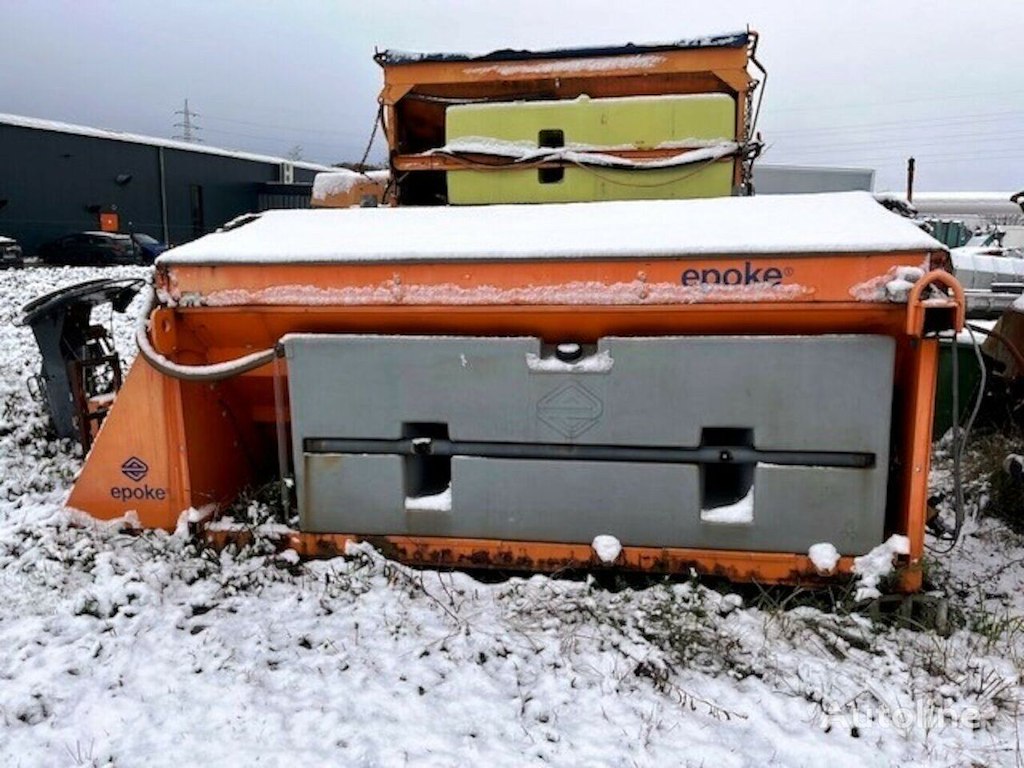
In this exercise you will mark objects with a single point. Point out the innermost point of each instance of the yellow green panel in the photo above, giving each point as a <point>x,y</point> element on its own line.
<point>640,121</point>
<point>586,184</point>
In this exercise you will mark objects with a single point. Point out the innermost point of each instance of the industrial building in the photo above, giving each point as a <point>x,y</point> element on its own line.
<point>57,178</point>
<point>799,179</point>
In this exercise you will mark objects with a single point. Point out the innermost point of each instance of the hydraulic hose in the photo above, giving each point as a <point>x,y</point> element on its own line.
<point>961,437</point>
<point>211,372</point>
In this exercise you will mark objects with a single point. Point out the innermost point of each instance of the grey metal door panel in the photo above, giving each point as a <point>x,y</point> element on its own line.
<point>648,505</point>
<point>659,391</point>
<point>573,501</point>
<point>351,494</point>
<point>801,506</point>
<point>795,392</point>
<point>830,393</point>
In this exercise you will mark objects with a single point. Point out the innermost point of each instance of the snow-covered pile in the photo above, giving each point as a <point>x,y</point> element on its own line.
<point>330,184</point>
<point>125,648</point>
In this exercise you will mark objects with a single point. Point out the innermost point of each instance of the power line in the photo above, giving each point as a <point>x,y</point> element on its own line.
<point>963,119</point>
<point>999,143</point>
<point>914,100</point>
<point>948,140</point>
<point>278,127</point>
<point>867,156</point>
<point>868,153</point>
<point>333,147</point>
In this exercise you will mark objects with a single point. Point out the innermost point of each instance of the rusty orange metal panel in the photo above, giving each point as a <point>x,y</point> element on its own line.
<point>765,567</point>
<point>136,462</point>
<point>167,446</point>
<point>918,385</point>
<point>399,79</point>
<point>814,277</point>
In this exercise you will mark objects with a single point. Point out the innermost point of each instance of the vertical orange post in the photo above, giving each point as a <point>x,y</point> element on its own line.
<point>917,443</point>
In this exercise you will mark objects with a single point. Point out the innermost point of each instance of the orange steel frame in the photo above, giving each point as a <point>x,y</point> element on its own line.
<point>204,442</point>
<point>684,71</point>
<point>199,444</point>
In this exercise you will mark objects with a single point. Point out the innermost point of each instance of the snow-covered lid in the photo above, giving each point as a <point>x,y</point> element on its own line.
<point>20,121</point>
<point>724,40</point>
<point>845,222</point>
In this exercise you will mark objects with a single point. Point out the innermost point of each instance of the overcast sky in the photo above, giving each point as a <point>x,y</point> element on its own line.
<point>861,84</point>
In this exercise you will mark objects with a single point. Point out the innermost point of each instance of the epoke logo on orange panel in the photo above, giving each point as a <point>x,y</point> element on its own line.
<point>135,469</point>
<point>741,274</point>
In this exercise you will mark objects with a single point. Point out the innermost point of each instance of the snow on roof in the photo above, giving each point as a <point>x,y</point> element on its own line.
<point>846,222</point>
<point>135,138</point>
<point>724,40</point>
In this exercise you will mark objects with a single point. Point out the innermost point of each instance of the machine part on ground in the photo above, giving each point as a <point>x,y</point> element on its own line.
<point>718,384</point>
<point>81,370</point>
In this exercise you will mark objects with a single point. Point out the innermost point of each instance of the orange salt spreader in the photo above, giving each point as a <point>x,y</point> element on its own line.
<point>572,320</point>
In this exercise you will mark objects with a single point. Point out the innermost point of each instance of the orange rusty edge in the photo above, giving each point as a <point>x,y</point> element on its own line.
<point>829,276</point>
<point>546,557</point>
<point>917,425</point>
<point>917,428</point>
<point>687,61</point>
<point>230,332</point>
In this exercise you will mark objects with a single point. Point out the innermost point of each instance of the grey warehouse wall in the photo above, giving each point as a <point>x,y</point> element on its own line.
<point>54,183</point>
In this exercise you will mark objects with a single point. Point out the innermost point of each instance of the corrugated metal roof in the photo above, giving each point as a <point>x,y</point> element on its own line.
<point>21,121</point>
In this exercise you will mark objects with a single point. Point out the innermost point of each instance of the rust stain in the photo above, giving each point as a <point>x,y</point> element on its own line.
<point>544,557</point>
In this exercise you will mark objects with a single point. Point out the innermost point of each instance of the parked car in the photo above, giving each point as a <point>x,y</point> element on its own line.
<point>149,247</point>
<point>94,249</point>
<point>10,252</point>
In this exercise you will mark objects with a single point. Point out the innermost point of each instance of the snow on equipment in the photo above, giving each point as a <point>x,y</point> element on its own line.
<point>715,384</point>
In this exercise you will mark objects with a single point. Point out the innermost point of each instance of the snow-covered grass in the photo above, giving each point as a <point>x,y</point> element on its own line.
<point>124,648</point>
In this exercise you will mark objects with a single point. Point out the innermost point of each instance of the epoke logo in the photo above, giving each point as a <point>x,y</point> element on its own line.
<point>570,410</point>
<point>745,274</point>
<point>135,469</point>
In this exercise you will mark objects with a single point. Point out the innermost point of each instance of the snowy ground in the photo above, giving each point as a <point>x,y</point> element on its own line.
<point>127,650</point>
